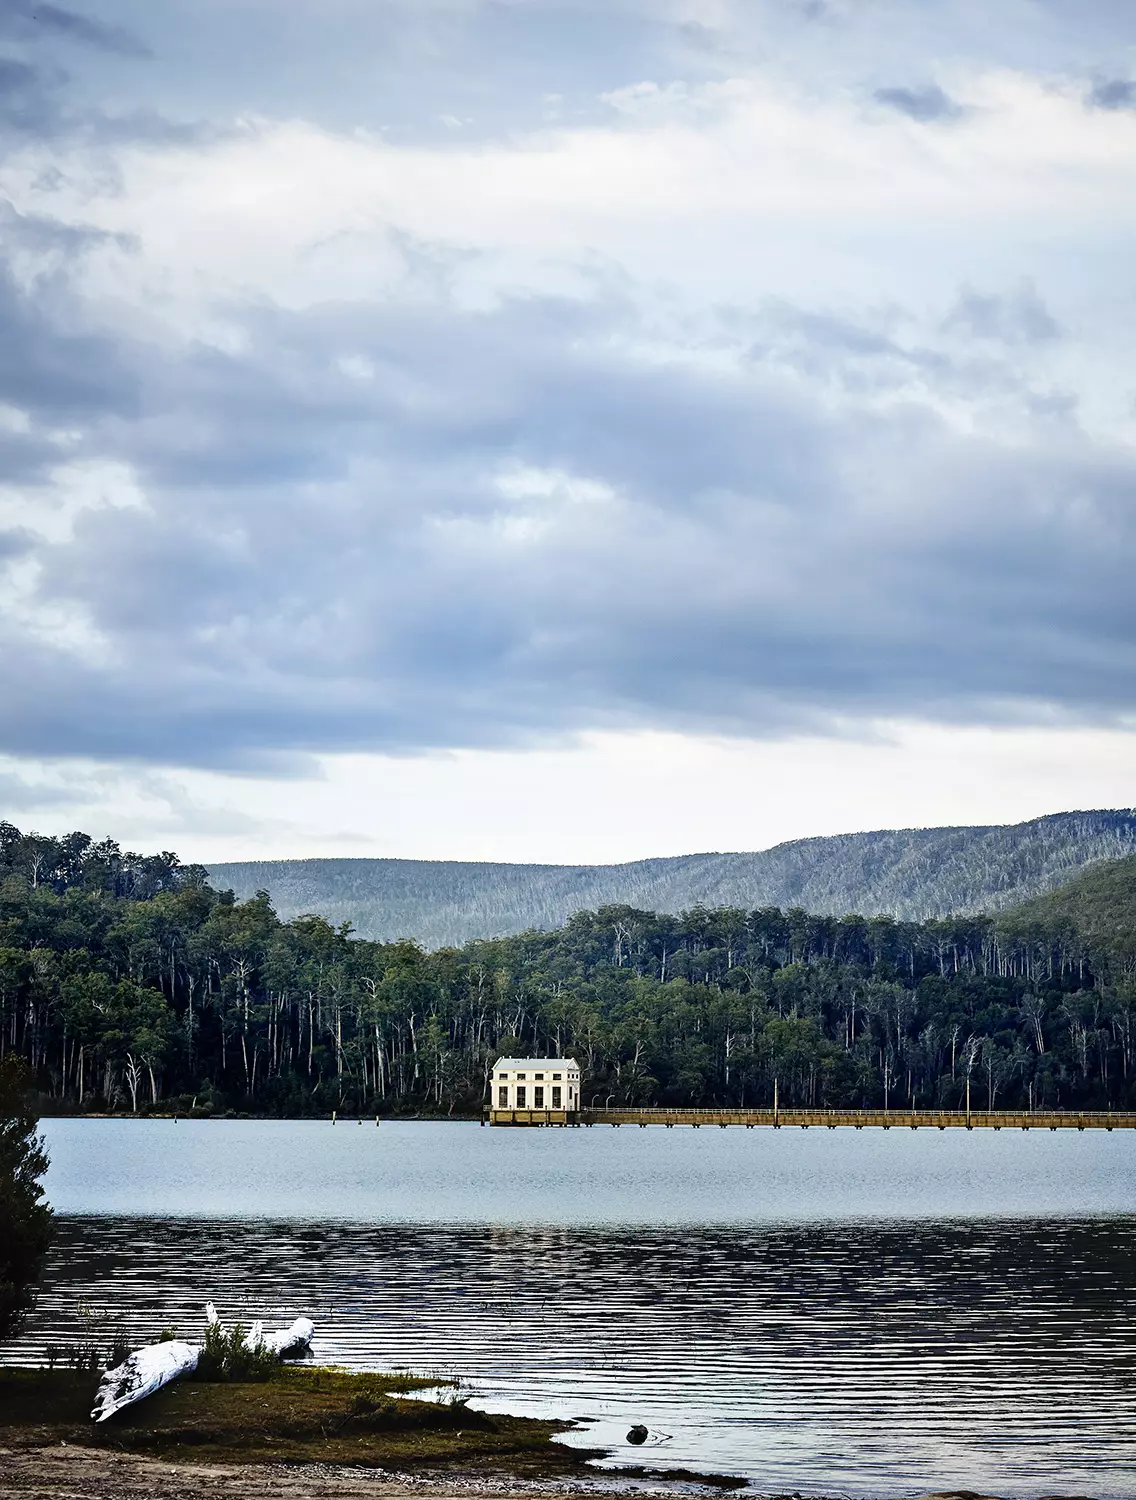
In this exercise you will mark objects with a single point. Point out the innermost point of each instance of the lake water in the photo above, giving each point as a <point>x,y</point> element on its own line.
<point>859,1313</point>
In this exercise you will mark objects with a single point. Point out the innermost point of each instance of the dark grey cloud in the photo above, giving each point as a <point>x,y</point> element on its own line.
<point>340,548</point>
<point>408,524</point>
<point>29,97</point>
<point>923,104</point>
<point>41,99</point>
<point>15,543</point>
<point>33,19</point>
<point>1113,93</point>
<point>51,366</point>
<point>35,103</point>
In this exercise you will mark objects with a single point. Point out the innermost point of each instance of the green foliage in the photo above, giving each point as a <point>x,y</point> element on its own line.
<point>25,1218</point>
<point>1095,912</point>
<point>176,997</point>
<point>225,1356</point>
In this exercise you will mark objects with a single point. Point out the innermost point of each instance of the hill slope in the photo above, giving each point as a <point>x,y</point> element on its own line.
<point>1097,907</point>
<point>909,873</point>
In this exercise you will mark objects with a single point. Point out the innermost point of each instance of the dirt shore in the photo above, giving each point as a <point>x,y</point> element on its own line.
<point>68,1472</point>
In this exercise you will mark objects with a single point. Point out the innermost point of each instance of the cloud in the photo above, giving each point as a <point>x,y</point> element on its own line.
<point>1113,93</point>
<point>34,18</point>
<point>925,104</point>
<point>28,97</point>
<point>1022,318</point>
<point>397,528</point>
<point>52,368</point>
<point>17,793</point>
<point>14,543</point>
<point>726,413</point>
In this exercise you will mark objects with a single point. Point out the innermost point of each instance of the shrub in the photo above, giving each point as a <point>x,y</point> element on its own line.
<point>226,1356</point>
<point>26,1218</point>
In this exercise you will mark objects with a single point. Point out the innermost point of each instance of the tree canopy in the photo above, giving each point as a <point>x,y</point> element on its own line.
<point>128,983</point>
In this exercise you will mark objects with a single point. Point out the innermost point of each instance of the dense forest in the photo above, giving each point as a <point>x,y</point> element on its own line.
<point>910,873</point>
<point>127,983</point>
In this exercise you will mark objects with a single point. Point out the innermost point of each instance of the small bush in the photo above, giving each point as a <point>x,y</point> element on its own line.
<point>226,1356</point>
<point>73,1356</point>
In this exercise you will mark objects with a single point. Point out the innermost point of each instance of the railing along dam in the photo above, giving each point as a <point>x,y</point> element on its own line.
<point>828,1119</point>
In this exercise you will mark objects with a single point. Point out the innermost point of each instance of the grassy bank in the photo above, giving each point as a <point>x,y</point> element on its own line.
<point>301,1415</point>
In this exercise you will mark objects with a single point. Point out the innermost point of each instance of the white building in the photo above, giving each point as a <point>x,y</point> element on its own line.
<point>534,1091</point>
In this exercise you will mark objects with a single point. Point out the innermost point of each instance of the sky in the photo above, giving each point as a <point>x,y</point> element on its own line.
<point>564,430</point>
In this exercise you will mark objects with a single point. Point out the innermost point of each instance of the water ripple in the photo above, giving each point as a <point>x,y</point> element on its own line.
<point>856,1357</point>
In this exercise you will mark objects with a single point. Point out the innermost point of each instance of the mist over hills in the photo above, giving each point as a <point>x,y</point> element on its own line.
<point>912,874</point>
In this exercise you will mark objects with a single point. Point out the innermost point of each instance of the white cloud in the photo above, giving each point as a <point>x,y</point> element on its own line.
<point>746,185</point>
<point>612,798</point>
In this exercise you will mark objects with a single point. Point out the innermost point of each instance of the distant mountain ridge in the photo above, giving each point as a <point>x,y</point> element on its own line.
<point>912,874</point>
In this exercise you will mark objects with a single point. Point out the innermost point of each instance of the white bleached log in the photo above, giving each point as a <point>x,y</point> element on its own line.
<point>290,1340</point>
<point>141,1374</point>
<point>148,1369</point>
<point>283,1341</point>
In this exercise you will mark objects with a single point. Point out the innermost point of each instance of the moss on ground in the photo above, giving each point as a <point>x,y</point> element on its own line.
<point>302,1415</point>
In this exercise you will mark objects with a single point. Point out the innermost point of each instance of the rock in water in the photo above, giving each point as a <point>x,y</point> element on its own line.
<point>141,1374</point>
<point>638,1434</point>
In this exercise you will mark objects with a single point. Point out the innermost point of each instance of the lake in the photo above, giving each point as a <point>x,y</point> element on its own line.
<point>863,1313</point>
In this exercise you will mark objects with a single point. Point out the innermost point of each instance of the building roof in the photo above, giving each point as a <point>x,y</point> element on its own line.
<point>530,1064</point>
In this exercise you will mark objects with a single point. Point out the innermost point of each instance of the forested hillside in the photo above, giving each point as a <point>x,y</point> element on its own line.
<point>129,984</point>
<point>911,874</point>
<point>1095,908</point>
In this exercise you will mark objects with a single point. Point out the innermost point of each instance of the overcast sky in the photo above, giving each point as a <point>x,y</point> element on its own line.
<point>564,429</point>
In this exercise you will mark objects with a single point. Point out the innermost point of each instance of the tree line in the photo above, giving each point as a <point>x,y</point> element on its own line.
<point>128,984</point>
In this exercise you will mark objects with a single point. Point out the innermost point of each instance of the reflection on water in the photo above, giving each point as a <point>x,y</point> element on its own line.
<point>858,1357</point>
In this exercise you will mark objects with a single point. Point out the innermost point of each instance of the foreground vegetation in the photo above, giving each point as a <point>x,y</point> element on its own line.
<point>299,1415</point>
<point>127,983</point>
<point>25,1217</point>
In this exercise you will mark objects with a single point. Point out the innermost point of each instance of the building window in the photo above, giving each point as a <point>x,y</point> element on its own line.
<point>502,1076</point>
<point>539,1076</point>
<point>555,1097</point>
<point>520,1075</point>
<point>521,1097</point>
<point>503,1098</point>
<point>538,1098</point>
<point>556,1077</point>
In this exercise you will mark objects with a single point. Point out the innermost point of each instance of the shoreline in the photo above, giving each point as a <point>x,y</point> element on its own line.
<point>245,1118</point>
<point>312,1417</point>
<point>317,1434</point>
<point>68,1472</point>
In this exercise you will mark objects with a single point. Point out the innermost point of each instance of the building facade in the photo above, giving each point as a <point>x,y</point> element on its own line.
<point>534,1091</point>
